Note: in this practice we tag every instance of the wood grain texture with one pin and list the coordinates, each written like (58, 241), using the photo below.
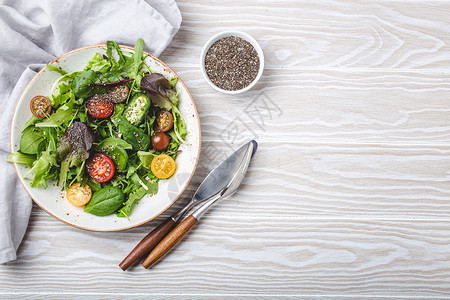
(348, 196)
(337, 180)
(323, 34)
(253, 256)
(328, 106)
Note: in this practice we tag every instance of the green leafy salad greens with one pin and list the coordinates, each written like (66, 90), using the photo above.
(58, 146)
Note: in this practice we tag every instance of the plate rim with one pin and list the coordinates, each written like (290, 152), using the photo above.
(56, 60)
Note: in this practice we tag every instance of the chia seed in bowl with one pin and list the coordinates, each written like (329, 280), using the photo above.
(232, 62)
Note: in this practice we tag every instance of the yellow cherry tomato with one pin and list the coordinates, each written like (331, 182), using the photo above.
(79, 195)
(163, 166)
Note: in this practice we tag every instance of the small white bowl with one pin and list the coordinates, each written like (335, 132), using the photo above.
(222, 35)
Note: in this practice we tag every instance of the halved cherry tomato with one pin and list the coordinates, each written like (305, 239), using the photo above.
(79, 195)
(40, 106)
(100, 167)
(164, 120)
(99, 106)
(119, 93)
(163, 166)
(160, 141)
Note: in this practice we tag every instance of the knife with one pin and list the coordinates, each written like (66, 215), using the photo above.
(176, 235)
(219, 183)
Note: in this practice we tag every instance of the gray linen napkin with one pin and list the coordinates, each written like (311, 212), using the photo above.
(32, 33)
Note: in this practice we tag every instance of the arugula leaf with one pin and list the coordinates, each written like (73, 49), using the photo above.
(94, 185)
(128, 64)
(139, 191)
(56, 69)
(51, 136)
(137, 58)
(134, 196)
(98, 64)
(179, 127)
(146, 158)
(61, 90)
(118, 110)
(173, 81)
(150, 127)
(57, 100)
(41, 169)
(61, 115)
(20, 158)
(132, 168)
(31, 122)
(115, 65)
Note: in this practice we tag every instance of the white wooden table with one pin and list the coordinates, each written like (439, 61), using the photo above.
(349, 193)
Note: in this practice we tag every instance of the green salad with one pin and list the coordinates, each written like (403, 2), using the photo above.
(107, 133)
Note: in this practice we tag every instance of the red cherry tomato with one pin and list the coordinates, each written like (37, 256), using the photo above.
(164, 120)
(40, 106)
(160, 141)
(99, 106)
(100, 167)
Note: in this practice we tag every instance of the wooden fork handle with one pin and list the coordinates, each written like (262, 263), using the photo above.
(147, 244)
(170, 241)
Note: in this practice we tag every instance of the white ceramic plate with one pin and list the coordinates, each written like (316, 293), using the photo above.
(54, 201)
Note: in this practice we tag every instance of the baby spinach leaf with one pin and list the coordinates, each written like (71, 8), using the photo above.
(105, 201)
(115, 142)
(32, 140)
(90, 83)
(133, 135)
(108, 78)
(83, 85)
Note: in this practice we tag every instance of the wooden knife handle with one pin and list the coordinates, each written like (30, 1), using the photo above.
(147, 244)
(170, 241)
